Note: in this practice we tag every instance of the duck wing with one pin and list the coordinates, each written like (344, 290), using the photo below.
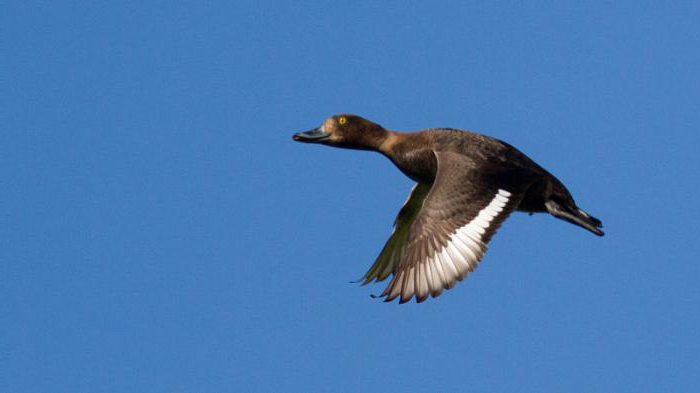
(448, 235)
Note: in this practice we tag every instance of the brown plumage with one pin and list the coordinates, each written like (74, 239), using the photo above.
(467, 185)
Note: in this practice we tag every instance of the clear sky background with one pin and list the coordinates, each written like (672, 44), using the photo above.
(161, 232)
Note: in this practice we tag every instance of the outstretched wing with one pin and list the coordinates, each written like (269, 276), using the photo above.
(449, 234)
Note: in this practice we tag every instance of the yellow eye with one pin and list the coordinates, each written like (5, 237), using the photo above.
(342, 120)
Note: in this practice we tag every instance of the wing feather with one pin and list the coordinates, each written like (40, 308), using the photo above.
(447, 235)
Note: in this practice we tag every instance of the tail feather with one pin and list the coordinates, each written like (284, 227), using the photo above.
(575, 216)
(596, 222)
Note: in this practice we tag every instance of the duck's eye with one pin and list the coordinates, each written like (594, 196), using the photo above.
(342, 120)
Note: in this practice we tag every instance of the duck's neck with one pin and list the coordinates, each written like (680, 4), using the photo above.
(387, 143)
(411, 153)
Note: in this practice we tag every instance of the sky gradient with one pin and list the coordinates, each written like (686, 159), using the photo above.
(161, 232)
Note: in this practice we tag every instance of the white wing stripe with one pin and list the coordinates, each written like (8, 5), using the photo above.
(463, 250)
(440, 272)
(468, 246)
(460, 263)
(408, 286)
(427, 278)
(453, 251)
(465, 246)
(436, 282)
(449, 268)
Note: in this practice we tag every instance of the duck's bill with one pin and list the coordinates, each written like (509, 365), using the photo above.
(312, 136)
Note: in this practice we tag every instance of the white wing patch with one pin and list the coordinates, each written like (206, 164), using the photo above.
(456, 259)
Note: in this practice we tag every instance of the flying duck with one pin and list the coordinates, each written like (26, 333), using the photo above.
(466, 185)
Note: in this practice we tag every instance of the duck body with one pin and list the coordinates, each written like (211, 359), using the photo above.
(466, 186)
(414, 154)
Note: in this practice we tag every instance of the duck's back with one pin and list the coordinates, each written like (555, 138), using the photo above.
(488, 157)
(487, 153)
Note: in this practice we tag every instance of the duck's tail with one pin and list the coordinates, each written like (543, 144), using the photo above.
(571, 213)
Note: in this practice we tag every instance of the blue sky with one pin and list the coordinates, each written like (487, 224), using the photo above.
(160, 231)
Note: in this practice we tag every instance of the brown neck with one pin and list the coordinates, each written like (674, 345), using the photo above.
(387, 143)
(412, 153)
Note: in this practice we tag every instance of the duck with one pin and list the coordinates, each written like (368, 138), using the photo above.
(466, 185)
